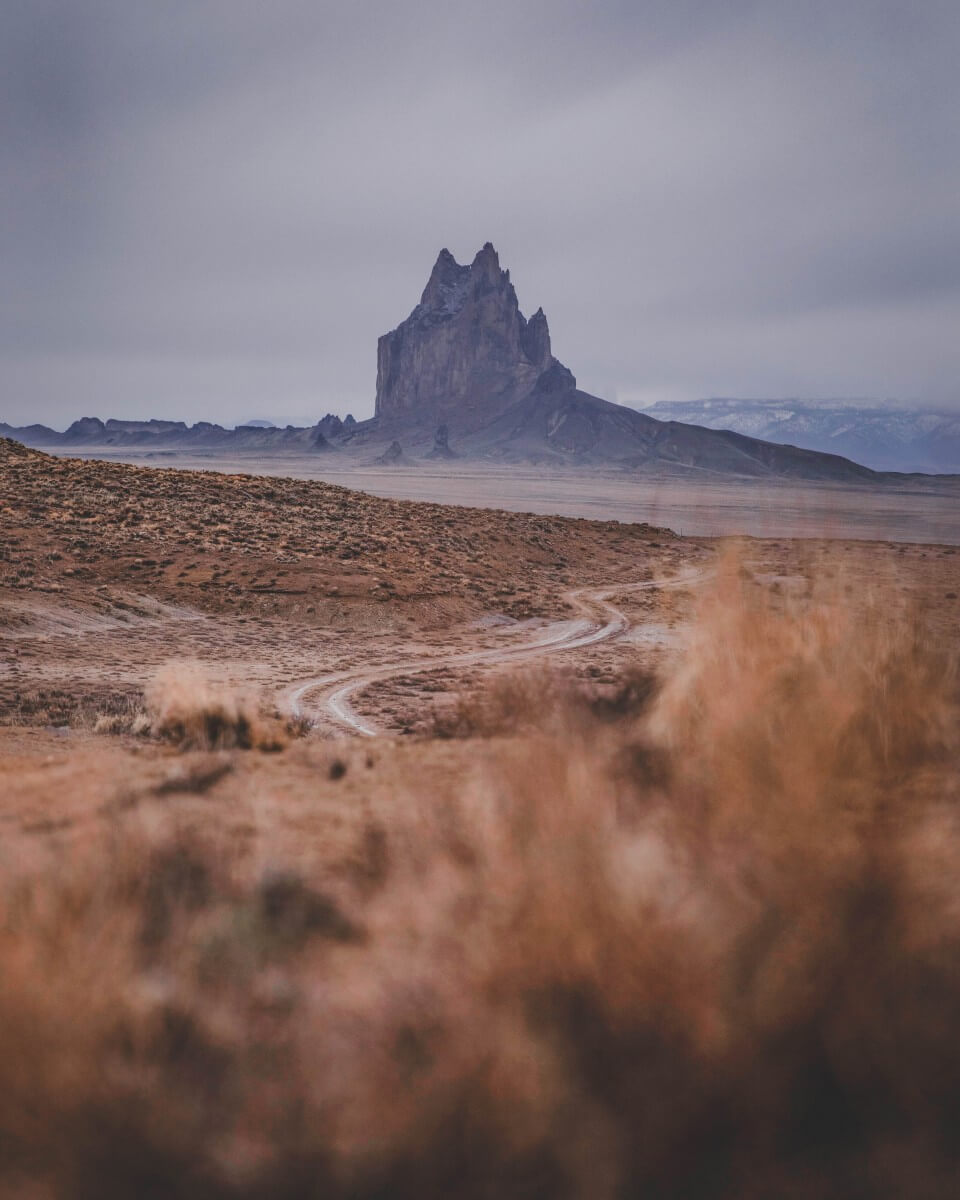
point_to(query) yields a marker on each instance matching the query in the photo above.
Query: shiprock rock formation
(467, 359)
(468, 367)
(466, 353)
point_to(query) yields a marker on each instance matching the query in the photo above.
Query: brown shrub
(509, 703)
(102, 712)
(734, 975)
(189, 710)
(543, 699)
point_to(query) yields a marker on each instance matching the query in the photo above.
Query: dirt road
(599, 621)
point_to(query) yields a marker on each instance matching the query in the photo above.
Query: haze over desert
(447, 749)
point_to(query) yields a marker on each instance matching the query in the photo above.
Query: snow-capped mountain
(886, 437)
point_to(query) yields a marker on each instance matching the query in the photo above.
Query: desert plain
(356, 844)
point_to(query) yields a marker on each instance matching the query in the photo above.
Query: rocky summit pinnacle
(466, 354)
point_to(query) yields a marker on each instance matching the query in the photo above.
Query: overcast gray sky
(212, 208)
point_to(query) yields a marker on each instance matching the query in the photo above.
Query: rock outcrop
(330, 425)
(393, 455)
(466, 354)
(441, 444)
(86, 429)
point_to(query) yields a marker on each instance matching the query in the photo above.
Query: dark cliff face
(466, 353)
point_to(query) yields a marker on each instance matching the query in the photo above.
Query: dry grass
(708, 950)
(258, 546)
(180, 705)
(190, 711)
(544, 699)
(102, 712)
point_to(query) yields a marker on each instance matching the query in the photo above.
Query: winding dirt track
(600, 621)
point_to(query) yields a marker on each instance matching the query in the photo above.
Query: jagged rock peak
(535, 339)
(330, 425)
(466, 353)
(446, 282)
(451, 284)
(487, 263)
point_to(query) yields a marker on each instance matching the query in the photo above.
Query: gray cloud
(214, 209)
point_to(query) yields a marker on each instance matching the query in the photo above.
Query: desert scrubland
(911, 508)
(362, 847)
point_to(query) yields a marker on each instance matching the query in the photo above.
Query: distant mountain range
(170, 436)
(468, 375)
(882, 436)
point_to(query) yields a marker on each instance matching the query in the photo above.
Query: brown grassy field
(672, 913)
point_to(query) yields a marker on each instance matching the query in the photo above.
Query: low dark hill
(583, 429)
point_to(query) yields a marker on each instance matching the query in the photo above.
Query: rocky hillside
(284, 547)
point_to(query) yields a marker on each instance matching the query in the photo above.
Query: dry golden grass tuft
(708, 950)
(190, 711)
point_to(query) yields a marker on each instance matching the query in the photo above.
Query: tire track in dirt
(600, 621)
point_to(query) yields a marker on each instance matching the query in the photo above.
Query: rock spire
(466, 353)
